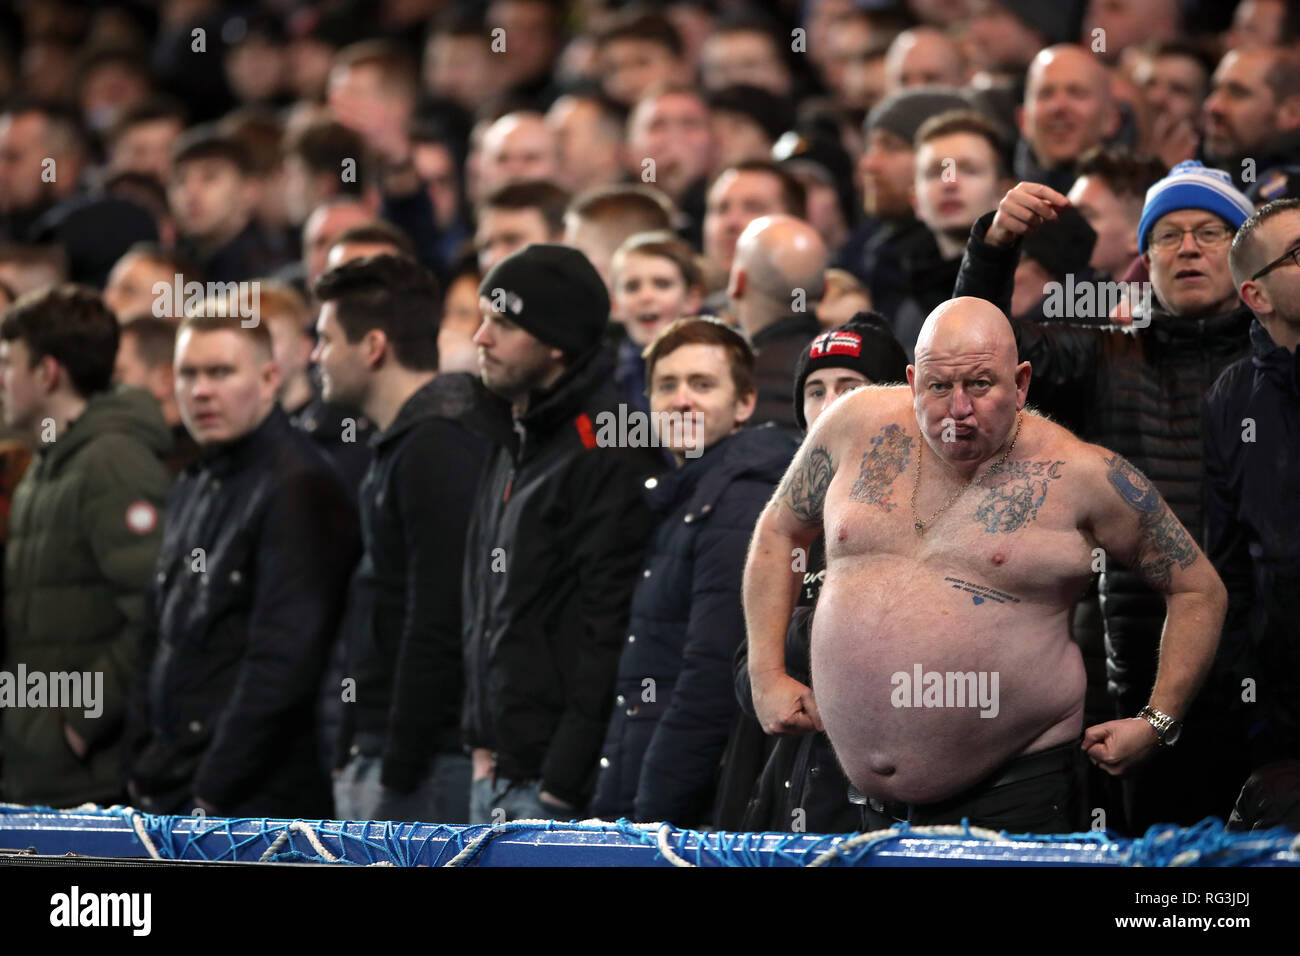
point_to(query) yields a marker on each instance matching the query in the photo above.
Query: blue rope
(181, 837)
(1209, 841)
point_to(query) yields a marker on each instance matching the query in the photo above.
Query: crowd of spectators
(320, 316)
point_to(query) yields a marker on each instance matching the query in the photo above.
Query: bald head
(923, 56)
(519, 146)
(966, 386)
(323, 226)
(1069, 106)
(777, 257)
(966, 326)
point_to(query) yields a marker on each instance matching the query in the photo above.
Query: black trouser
(1198, 777)
(1040, 792)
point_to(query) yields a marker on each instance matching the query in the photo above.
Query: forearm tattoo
(1016, 490)
(881, 464)
(804, 488)
(1163, 542)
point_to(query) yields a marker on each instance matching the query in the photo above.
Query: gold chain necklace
(917, 523)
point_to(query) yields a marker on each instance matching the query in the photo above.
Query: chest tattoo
(881, 464)
(1016, 490)
(980, 593)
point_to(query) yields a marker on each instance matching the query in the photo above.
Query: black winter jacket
(660, 757)
(777, 348)
(1138, 392)
(553, 552)
(909, 277)
(1252, 463)
(258, 542)
(404, 621)
(344, 435)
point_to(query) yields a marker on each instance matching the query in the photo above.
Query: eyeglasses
(1207, 235)
(1292, 254)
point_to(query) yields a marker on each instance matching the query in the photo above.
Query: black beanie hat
(553, 292)
(865, 344)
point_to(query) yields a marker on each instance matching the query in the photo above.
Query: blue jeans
(502, 800)
(441, 797)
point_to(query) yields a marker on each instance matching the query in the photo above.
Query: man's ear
(736, 284)
(1288, 114)
(1114, 120)
(745, 406)
(271, 376)
(49, 373)
(1131, 247)
(1256, 298)
(1024, 371)
(375, 345)
(911, 377)
(162, 382)
(694, 299)
(249, 194)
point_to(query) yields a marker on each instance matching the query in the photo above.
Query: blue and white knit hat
(1192, 185)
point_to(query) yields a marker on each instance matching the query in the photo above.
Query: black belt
(1062, 757)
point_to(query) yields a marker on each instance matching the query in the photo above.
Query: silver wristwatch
(1168, 729)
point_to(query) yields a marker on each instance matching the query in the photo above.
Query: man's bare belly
(938, 658)
(886, 634)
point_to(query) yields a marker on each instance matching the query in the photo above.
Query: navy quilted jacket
(674, 702)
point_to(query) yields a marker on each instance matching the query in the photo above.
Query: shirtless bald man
(941, 651)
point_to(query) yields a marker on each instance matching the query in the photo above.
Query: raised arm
(1131, 521)
(1064, 355)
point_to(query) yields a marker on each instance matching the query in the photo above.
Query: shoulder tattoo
(804, 488)
(883, 462)
(1163, 541)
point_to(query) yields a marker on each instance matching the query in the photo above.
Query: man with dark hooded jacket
(83, 532)
(1139, 391)
(675, 706)
(400, 754)
(555, 540)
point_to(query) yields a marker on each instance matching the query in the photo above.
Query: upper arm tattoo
(885, 461)
(804, 487)
(1163, 541)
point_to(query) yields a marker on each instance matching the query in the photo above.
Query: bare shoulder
(1109, 485)
(1047, 439)
(862, 413)
(836, 441)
